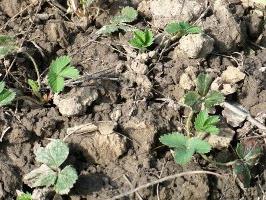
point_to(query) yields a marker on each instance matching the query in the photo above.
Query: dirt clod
(196, 45)
(76, 101)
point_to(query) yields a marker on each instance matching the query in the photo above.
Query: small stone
(185, 82)
(165, 11)
(233, 118)
(76, 101)
(232, 75)
(196, 45)
(228, 89)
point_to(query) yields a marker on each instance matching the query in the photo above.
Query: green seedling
(6, 95)
(203, 96)
(186, 146)
(49, 173)
(127, 15)
(7, 45)
(141, 39)
(24, 196)
(181, 28)
(59, 70)
(248, 155)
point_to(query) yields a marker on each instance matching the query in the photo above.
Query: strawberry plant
(127, 15)
(181, 28)
(141, 39)
(6, 95)
(186, 146)
(49, 173)
(59, 70)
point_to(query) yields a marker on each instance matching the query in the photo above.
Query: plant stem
(188, 122)
(35, 67)
(218, 163)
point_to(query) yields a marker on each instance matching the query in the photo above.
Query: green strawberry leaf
(24, 196)
(183, 155)
(206, 123)
(34, 86)
(203, 84)
(108, 29)
(128, 14)
(173, 140)
(54, 154)
(191, 98)
(213, 98)
(200, 146)
(249, 153)
(142, 39)
(6, 95)
(242, 172)
(42, 176)
(65, 181)
(58, 71)
(194, 30)
(182, 28)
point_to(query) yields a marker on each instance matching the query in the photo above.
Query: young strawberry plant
(127, 15)
(49, 173)
(6, 95)
(181, 28)
(186, 146)
(59, 70)
(141, 39)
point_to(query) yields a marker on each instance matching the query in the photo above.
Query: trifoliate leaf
(181, 28)
(213, 98)
(6, 95)
(54, 154)
(183, 155)
(42, 176)
(108, 29)
(66, 179)
(206, 123)
(128, 14)
(200, 146)
(142, 39)
(173, 140)
(191, 98)
(249, 153)
(242, 172)
(7, 45)
(203, 84)
(24, 196)
(58, 71)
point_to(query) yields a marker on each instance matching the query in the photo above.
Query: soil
(138, 99)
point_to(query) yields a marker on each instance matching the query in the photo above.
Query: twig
(3, 133)
(128, 181)
(165, 179)
(161, 173)
(244, 114)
